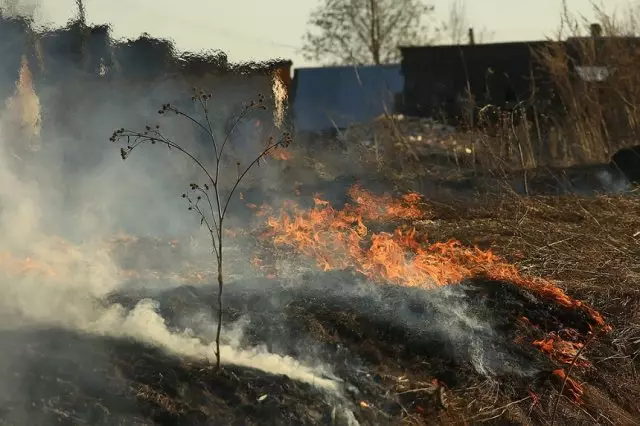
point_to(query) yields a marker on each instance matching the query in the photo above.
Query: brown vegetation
(592, 112)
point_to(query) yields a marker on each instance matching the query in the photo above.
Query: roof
(329, 97)
(507, 44)
(497, 45)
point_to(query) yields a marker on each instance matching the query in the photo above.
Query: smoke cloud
(64, 190)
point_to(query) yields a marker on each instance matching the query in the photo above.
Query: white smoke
(613, 183)
(68, 283)
(143, 323)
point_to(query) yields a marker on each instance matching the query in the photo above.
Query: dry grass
(589, 245)
(164, 402)
(592, 119)
(586, 122)
(596, 117)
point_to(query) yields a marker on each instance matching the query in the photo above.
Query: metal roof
(329, 97)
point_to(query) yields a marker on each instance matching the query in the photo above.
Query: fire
(11, 265)
(281, 154)
(56, 260)
(280, 96)
(385, 207)
(562, 350)
(53, 259)
(341, 239)
(24, 107)
(572, 388)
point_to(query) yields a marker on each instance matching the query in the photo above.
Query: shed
(439, 79)
(336, 97)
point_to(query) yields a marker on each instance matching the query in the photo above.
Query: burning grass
(426, 313)
(587, 245)
(561, 249)
(458, 297)
(390, 343)
(453, 307)
(340, 239)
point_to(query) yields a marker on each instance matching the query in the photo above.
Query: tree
(455, 30)
(81, 21)
(209, 200)
(13, 8)
(457, 25)
(354, 32)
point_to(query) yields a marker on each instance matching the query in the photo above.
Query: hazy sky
(263, 29)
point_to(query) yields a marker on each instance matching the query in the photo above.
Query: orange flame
(572, 388)
(561, 350)
(281, 154)
(339, 239)
(11, 265)
(24, 107)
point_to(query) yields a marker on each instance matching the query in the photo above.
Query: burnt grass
(384, 342)
(66, 378)
(386, 345)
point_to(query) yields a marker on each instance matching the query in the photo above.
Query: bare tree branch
(458, 22)
(355, 32)
(217, 200)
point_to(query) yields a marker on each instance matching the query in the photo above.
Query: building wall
(439, 79)
(330, 97)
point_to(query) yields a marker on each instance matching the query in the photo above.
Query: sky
(266, 29)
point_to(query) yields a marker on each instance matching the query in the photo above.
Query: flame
(58, 260)
(572, 388)
(24, 107)
(340, 239)
(280, 98)
(561, 350)
(281, 154)
(11, 265)
(54, 259)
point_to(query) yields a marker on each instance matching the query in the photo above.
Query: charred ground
(456, 354)
(448, 355)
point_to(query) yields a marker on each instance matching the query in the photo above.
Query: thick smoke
(64, 189)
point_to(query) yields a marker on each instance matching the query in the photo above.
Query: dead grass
(589, 245)
(164, 402)
(589, 119)
(586, 122)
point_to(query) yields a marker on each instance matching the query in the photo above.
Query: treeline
(81, 51)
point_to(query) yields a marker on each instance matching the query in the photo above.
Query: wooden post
(472, 38)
